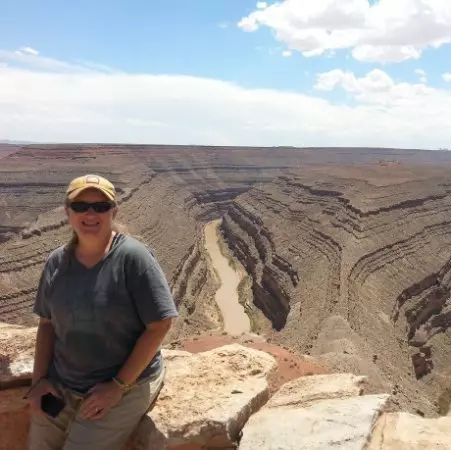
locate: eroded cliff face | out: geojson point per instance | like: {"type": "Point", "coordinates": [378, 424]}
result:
{"type": "Point", "coordinates": [354, 271]}
{"type": "Point", "coordinates": [376, 256]}
{"type": "Point", "coordinates": [33, 178]}
{"type": "Point", "coordinates": [154, 211]}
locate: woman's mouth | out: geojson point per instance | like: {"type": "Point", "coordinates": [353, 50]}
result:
{"type": "Point", "coordinates": [90, 224]}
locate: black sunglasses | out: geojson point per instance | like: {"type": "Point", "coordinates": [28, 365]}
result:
{"type": "Point", "coordinates": [98, 207]}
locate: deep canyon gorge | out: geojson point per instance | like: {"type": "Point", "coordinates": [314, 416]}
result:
{"type": "Point", "coordinates": [346, 252]}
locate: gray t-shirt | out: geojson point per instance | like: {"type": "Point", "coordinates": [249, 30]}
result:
{"type": "Point", "coordinates": [99, 313]}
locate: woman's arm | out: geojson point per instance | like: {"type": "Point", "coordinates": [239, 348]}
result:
{"type": "Point", "coordinates": [144, 350]}
{"type": "Point", "coordinates": [152, 298]}
{"type": "Point", "coordinates": [45, 340]}
{"type": "Point", "coordinates": [105, 395]}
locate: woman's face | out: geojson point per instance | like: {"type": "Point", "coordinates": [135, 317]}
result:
{"type": "Point", "coordinates": [91, 224]}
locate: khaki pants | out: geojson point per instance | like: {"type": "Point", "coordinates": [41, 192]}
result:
{"type": "Point", "coordinates": [70, 431]}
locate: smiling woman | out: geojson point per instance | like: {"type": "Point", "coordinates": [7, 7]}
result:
{"type": "Point", "coordinates": [86, 210]}
{"type": "Point", "coordinates": [105, 307]}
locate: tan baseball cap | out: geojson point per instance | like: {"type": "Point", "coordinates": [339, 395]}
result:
{"type": "Point", "coordinates": [79, 184]}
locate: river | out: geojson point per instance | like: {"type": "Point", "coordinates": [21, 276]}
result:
{"type": "Point", "coordinates": [236, 321]}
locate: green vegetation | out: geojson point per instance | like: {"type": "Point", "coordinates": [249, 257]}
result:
{"type": "Point", "coordinates": [241, 288]}
{"type": "Point", "coordinates": [225, 251]}
{"type": "Point", "coordinates": [444, 402]}
{"type": "Point", "coordinates": [244, 290]}
{"type": "Point", "coordinates": [253, 322]}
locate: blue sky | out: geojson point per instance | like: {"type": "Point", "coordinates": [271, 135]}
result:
{"type": "Point", "coordinates": [177, 37]}
{"type": "Point", "coordinates": [164, 37]}
{"type": "Point", "coordinates": [238, 42]}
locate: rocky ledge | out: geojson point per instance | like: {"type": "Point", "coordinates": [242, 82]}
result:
{"type": "Point", "coordinates": [221, 399]}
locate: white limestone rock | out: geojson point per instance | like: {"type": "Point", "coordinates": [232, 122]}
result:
{"type": "Point", "coordinates": [207, 398]}
{"type": "Point", "coordinates": [404, 431]}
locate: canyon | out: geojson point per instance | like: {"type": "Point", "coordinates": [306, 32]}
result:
{"type": "Point", "coordinates": [344, 254]}
{"type": "Point", "coordinates": [356, 274]}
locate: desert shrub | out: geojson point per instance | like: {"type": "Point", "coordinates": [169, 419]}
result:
{"type": "Point", "coordinates": [444, 402]}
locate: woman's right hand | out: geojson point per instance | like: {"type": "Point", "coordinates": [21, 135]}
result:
{"type": "Point", "coordinates": [42, 387]}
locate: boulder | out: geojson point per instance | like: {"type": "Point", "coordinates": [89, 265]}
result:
{"type": "Point", "coordinates": [14, 419]}
{"type": "Point", "coordinates": [403, 431]}
{"type": "Point", "coordinates": [207, 398]}
{"type": "Point", "coordinates": [422, 361]}
{"type": "Point", "coordinates": [328, 412]}
{"type": "Point", "coordinates": [16, 355]}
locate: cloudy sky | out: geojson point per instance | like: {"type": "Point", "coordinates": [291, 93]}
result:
{"type": "Point", "coordinates": [227, 72]}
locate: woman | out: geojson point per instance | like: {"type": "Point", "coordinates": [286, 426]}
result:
{"type": "Point", "coordinates": [105, 307]}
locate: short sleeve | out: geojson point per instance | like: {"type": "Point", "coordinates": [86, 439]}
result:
{"type": "Point", "coordinates": [41, 303]}
{"type": "Point", "coordinates": [150, 291]}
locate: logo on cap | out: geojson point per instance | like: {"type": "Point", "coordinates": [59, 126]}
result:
{"type": "Point", "coordinates": [92, 179]}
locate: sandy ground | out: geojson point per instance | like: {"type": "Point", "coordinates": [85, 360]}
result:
{"type": "Point", "coordinates": [291, 365]}
{"type": "Point", "coordinates": [236, 321]}
{"type": "Point", "coordinates": [16, 339]}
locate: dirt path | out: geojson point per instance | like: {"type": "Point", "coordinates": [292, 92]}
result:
{"type": "Point", "coordinates": [236, 321]}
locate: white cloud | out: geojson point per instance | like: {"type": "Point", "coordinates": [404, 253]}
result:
{"type": "Point", "coordinates": [287, 53]}
{"type": "Point", "coordinates": [388, 31]}
{"type": "Point", "coordinates": [262, 5]}
{"type": "Point", "coordinates": [138, 122]}
{"type": "Point", "coordinates": [94, 106]}
{"type": "Point", "coordinates": [447, 76]}
{"type": "Point", "coordinates": [376, 87]}
{"type": "Point", "coordinates": [34, 61]}
{"type": "Point", "coordinates": [385, 53]}
{"type": "Point", "coordinates": [422, 75]}
{"type": "Point", "coordinates": [29, 51]}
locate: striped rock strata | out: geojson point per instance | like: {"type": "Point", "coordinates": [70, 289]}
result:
{"type": "Point", "coordinates": [374, 259]}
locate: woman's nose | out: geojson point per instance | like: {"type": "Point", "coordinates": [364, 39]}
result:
{"type": "Point", "coordinates": [90, 212]}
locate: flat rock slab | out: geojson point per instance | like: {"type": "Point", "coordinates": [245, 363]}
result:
{"type": "Point", "coordinates": [338, 424]}
{"type": "Point", "coordinates": [403, 431]}
{"type": "Point", "coordinates": [207, 398]}
{"type": "Point", "coordinates": [306, 390]}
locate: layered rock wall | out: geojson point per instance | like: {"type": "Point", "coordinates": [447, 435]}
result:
{"type": "Point", "coordinates": [212, 175]}
{"type": "Point", "coordinates": [319, 248]}
{"type": "Point", "coordinates": [33, 179]}
{"type": "Point", "coordinates": [376, 256]}
{"type": "Point", "coordinates": [156, 213]}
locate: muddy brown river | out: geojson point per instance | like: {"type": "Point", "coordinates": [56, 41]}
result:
{"type": "Point", "coordinates": [236, 321]}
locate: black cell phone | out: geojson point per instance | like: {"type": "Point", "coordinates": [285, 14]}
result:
{"type": "Point", "coordinates": [52, 405]}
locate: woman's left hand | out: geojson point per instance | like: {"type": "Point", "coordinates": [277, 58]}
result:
{"type": "Point", "coordinates": [103, 397]}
